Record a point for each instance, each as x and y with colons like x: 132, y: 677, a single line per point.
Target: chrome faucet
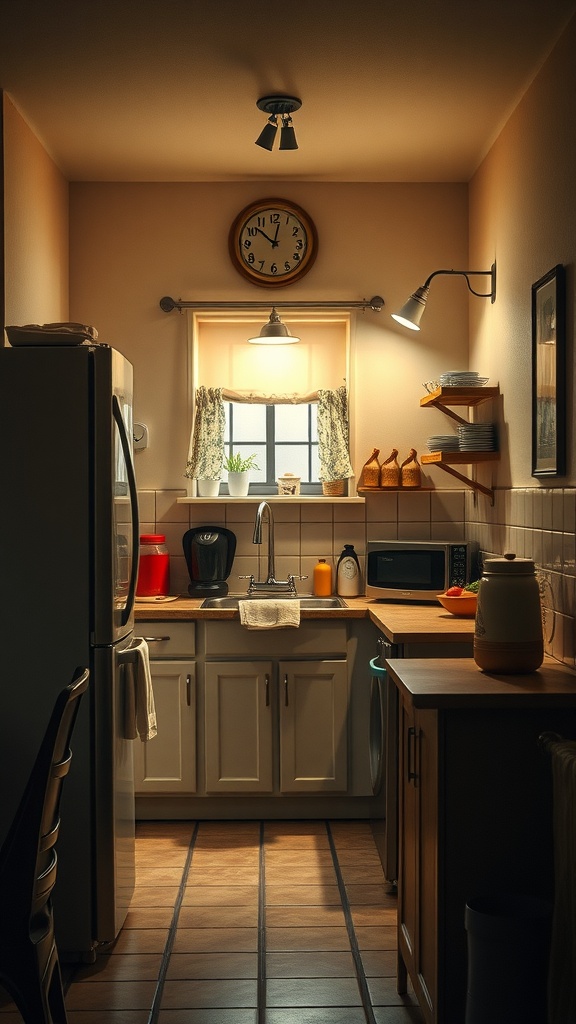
x: 270, y: 585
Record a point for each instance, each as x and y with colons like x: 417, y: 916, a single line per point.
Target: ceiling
x: 166, y: 90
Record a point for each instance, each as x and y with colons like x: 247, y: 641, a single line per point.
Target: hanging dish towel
x: 269, y: 614
x: 139, y: 708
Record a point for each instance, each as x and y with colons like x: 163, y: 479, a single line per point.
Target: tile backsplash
x: 538, y: 523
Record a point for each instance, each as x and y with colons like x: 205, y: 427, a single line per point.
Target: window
x: 283, y: 438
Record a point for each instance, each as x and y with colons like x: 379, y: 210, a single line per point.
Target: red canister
x: 153, y: 567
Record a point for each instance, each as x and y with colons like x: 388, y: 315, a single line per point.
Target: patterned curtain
x: 206, y: 452
x: 333, y: 435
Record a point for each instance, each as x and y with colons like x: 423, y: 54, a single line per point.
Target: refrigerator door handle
x: 127, y: 450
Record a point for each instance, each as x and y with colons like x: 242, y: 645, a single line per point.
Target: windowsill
x: 299, y: 499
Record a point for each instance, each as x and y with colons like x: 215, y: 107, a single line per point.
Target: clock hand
x: 275, y: 242
x: 272, y: 240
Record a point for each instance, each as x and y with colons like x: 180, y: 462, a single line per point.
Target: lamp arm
x: 466, y: 273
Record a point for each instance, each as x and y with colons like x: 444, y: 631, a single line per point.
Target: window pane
x: 314, y: 424
x: 292, y: 459
x: 249, y: 422
x: 259, y: 450
x: 291, y: 422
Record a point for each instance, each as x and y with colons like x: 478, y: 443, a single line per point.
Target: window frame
x: 344, y: 321
x: 270, y: 486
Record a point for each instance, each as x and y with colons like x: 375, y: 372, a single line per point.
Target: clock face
x: 273, y: 242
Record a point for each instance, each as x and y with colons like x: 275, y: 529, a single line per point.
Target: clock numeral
x: 274, y: 218
x: 295, y: 231
x: 299, y: 244
x: 251, y: 231
x: 296, y: 256
x: 273, y: 268
x: 246, y: 243
x: 287, y: 266
x: 250, y: 257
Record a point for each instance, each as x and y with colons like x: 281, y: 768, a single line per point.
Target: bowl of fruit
x: 461, y: 600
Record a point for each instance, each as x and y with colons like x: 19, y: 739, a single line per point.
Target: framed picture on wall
x: 548, y: 374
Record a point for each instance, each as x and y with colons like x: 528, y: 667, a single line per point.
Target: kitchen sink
x: 305, y: 601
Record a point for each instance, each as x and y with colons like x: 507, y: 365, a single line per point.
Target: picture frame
x: 548, y: 374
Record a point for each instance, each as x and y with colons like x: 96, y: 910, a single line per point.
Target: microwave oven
x: 417, y: 570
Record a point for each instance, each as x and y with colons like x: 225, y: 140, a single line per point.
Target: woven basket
x: 334, y: 488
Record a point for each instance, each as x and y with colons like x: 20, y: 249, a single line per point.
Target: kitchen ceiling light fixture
x: 278, y: 107
x: 274, y: 333
x: 412, y: 310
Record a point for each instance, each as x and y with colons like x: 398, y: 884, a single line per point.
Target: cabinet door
x: 313, y: 700
x: 167, y: 763
x: 238, y: 727
x: 418, y: 855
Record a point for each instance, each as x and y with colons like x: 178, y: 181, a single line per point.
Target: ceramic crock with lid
x: 508, y: 628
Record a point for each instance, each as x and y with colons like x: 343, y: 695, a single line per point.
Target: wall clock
x: 273, y: 242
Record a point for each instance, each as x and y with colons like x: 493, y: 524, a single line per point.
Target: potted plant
x: 238, y: 469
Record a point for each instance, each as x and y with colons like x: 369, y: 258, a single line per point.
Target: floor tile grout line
x: 158, y: 991
x: 261, y: 991
x: 355, y: 949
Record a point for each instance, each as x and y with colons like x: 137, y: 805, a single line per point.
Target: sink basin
x: 305, y: 601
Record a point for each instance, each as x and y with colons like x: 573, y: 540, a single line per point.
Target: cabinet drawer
x: 168, y: 639
x: 313, y: 637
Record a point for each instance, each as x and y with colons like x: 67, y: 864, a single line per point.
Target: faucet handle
x: 290, y: 578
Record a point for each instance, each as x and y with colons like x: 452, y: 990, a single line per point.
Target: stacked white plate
x: 477, y: 437
x: 443, y: 443
x: 462, y: 379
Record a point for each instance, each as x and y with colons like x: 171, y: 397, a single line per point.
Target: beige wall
x: 523, y: 212
x: 36, y: 227
x: 133, y: 243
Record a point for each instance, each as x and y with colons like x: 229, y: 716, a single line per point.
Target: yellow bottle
x: 322, y: 584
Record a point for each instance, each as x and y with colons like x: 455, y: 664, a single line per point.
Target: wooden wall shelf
x: 442, y: 398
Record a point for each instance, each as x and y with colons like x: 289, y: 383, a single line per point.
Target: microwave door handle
x: 127, y: 451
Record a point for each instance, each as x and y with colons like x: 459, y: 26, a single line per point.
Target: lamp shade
x: 412, y: 310
x: 274, y: 333
x: 266, y: 138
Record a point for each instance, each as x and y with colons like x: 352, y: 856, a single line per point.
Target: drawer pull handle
x: 267, y: 686
x: 285, y: 691
x: 188, y: 689
x: 155, y: 639
x: 412, y: 776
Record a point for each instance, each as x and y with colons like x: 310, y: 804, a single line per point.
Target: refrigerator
x: 68, y: 565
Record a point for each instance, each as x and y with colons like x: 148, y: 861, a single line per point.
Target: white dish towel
x: 269, y: 613
x: 140, y: 710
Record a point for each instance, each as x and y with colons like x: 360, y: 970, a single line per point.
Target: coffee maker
x: 209, y: 553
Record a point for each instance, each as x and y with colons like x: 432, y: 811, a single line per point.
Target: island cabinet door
x: 313, y: 707
x: 418, y: 856
x: 238, y: 727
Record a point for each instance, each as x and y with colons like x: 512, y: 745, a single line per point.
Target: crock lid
x: 510, y: 564
x: 152, y: 538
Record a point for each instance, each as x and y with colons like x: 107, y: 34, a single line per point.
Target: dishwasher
x: 384, y: 739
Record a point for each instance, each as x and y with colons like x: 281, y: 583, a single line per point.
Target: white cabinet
x: 238, y: 727
x: 259, y: 714
x: 167, y: 763
x: 275, y: 723
x: 313, y: 713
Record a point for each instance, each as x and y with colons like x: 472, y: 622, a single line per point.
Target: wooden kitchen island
x: 475, y: 808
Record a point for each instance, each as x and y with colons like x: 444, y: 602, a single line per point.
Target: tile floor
x: 268, y: 922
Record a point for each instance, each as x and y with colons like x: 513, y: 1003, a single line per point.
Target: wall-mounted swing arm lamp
x: 274, y: 332
x: 412, y: 310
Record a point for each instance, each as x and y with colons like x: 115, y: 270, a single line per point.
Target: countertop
x: 459, y: 683
x: 400, y: 623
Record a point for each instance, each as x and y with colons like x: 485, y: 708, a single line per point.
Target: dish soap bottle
x: 348, y: 573
x: 322, y: 584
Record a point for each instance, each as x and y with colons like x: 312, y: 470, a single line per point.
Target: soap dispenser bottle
x: 348, y: 573
x: 322, y: 580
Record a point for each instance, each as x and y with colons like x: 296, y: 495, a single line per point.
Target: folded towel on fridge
x: 139, y: 708
x: 269, y: 613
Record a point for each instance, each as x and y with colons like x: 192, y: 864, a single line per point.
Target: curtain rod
x: 375, y: 303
